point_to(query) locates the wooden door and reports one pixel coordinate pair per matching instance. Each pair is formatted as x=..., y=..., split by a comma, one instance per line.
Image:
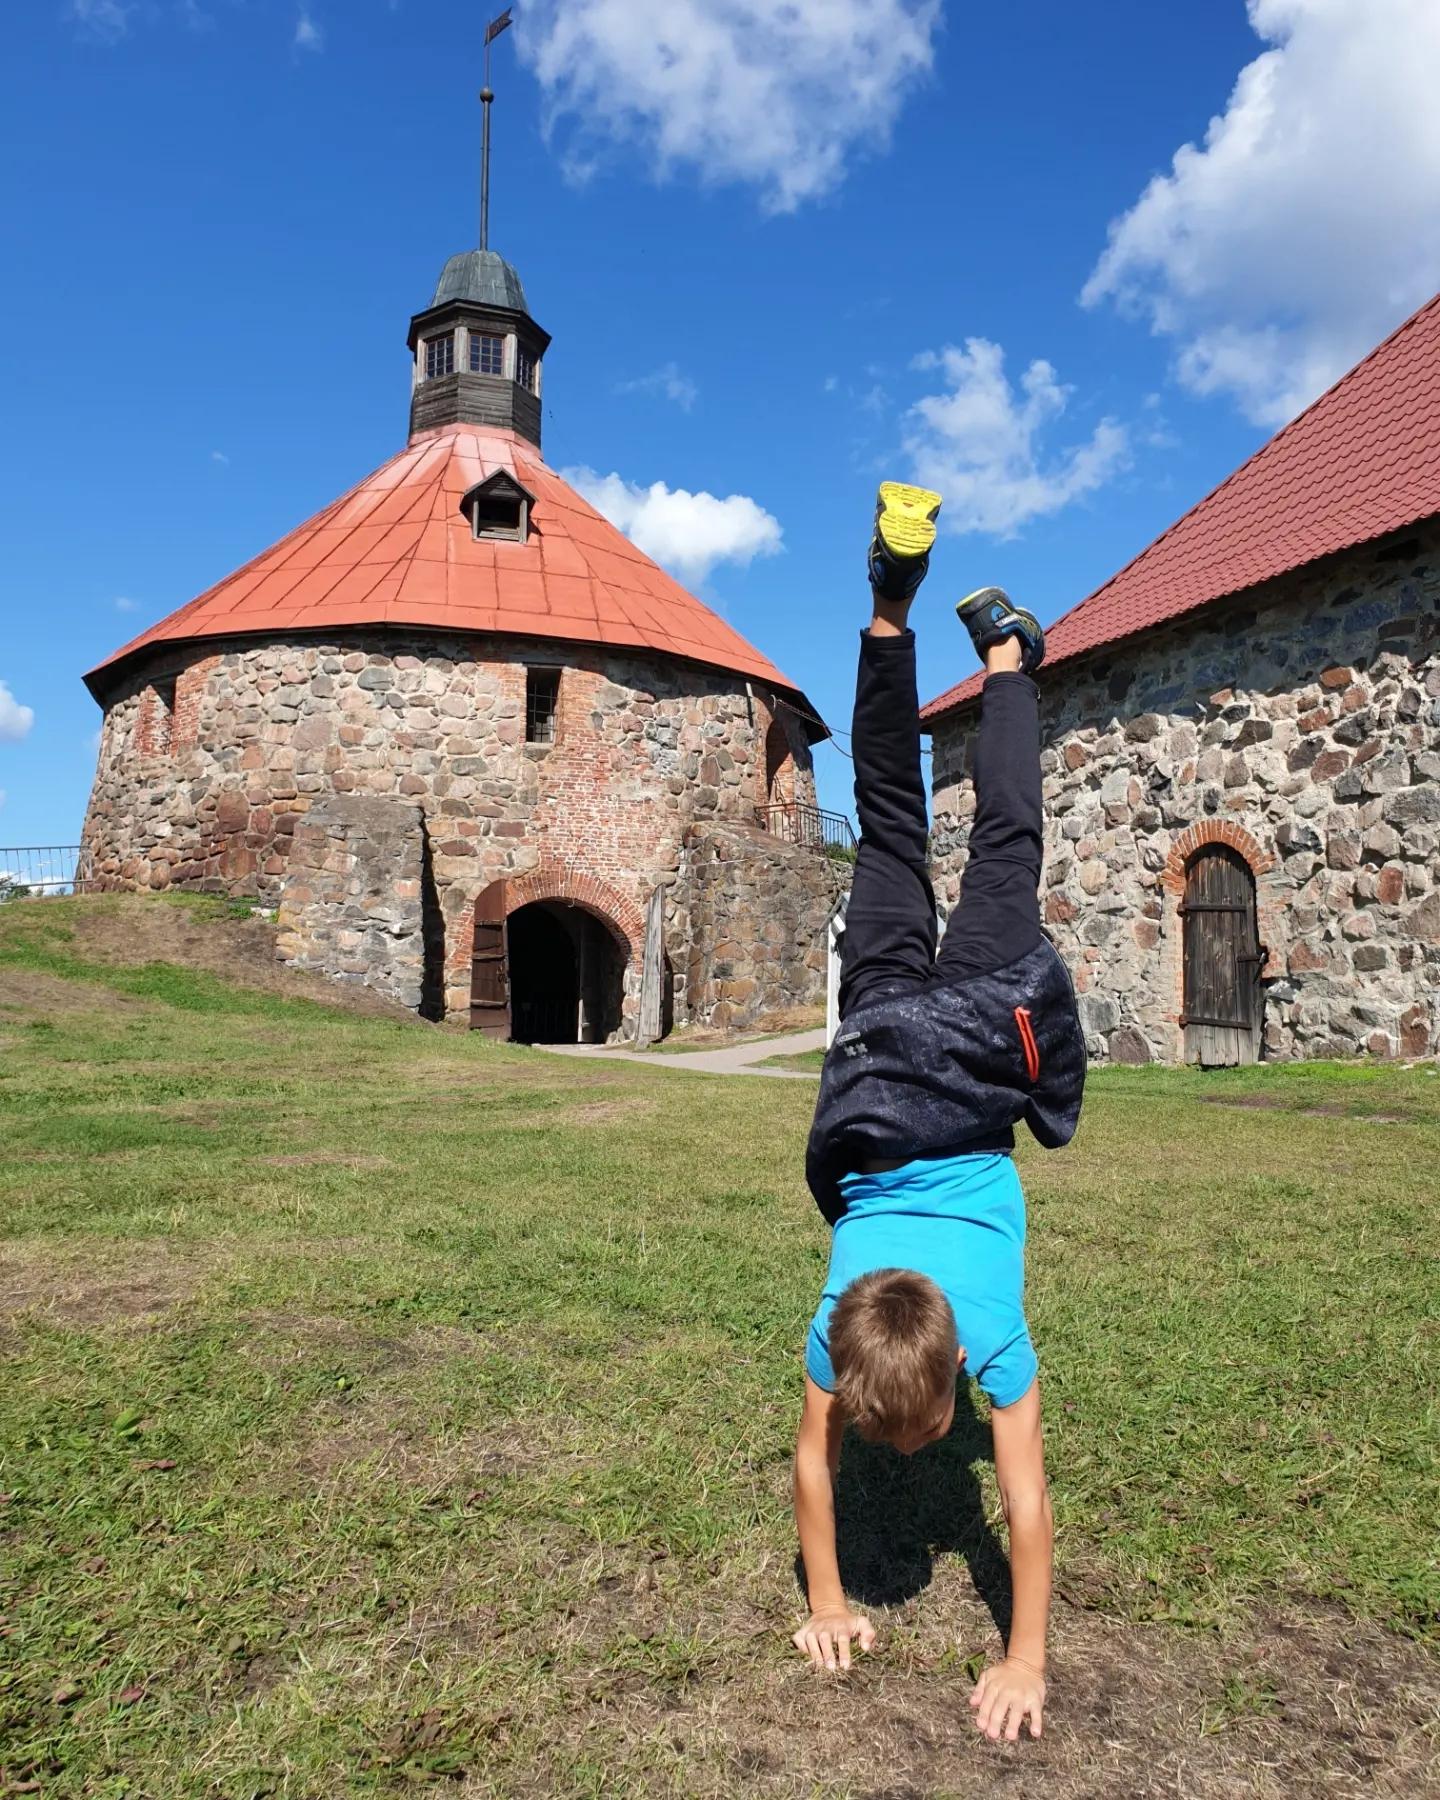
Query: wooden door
x=1224, y=1003
x=490, y=966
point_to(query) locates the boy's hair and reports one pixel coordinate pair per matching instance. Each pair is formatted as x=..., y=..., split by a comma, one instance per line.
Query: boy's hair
x=893, y=1347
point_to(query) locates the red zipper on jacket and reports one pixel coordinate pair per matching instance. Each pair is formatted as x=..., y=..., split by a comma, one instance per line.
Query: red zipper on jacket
x=1027, y=1042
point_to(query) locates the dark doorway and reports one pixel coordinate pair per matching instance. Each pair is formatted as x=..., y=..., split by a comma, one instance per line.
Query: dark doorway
x=566, y=975
x=1224, y=1002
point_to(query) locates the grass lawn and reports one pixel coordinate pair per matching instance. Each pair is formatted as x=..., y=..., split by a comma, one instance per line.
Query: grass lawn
x=384, y=1407
x=809, y=1061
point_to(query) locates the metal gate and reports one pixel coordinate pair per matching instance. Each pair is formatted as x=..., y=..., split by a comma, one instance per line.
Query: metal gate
x=1224, y=1002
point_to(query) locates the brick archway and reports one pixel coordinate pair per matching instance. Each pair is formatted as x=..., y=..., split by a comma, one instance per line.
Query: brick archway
x=548, y=882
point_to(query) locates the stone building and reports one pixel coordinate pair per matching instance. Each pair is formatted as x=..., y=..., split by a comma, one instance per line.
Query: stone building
x=1242, y=750
x=460, y=732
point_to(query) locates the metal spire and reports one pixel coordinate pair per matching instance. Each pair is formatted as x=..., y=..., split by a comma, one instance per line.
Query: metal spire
x=492, y=31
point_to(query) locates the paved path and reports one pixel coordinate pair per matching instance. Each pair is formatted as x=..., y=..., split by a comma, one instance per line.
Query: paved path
x=735, y=1059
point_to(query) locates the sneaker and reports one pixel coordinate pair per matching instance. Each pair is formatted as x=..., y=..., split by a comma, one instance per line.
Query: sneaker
x=904, y=532
x=990, y=618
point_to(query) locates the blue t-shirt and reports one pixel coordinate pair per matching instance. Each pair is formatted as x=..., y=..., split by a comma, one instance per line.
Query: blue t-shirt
x=961, y=1221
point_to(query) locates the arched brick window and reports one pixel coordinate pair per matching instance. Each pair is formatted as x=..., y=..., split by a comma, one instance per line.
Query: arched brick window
x=779, y=766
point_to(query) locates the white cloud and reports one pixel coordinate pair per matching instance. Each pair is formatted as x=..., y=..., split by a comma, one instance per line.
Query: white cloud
x=15, y=719
x=123, y=603
x=1306, y=227
x=106, y=20
x=219, y=456
x=668, y=380
x=688, y=533
x=776, y=94
x=979, y=442
x=308, y=36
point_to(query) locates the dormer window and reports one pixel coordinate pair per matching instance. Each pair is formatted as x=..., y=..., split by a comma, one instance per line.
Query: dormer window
x=499, y=508
x=525, y=370
x=440, y=356
x=487, y=353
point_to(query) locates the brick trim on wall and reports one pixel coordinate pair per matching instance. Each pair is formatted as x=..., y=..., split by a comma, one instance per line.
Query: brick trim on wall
x=550, y=881
x=622, y=916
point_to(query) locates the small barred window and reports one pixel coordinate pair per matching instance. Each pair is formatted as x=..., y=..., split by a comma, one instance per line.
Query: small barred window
x=542, y=703
x=525, y=370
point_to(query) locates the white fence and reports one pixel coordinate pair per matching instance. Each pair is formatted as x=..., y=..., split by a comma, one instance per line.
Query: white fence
x=39, y=869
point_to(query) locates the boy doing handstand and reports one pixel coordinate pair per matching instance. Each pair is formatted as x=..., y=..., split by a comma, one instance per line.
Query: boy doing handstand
x=936, y=1059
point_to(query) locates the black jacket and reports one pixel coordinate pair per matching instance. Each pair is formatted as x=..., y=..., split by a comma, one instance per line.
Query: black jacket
x=940, y=1070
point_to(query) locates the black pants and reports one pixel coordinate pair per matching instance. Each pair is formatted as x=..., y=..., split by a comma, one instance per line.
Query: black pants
x=890, y=930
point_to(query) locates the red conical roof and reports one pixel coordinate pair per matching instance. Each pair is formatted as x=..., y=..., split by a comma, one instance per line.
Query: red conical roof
x=397, y=550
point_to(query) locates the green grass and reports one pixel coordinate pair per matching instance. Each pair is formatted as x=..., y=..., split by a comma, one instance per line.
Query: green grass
x=382, y=1404
x=809, y=1061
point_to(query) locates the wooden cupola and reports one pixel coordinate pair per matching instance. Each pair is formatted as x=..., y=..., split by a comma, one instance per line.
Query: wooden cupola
x=477, y=352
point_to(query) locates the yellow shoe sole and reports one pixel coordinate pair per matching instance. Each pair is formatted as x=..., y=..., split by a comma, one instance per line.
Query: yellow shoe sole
x=905, y=518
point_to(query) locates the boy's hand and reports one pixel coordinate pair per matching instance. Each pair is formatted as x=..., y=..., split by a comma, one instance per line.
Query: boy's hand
x=1004, y=1695
x=825, y=1637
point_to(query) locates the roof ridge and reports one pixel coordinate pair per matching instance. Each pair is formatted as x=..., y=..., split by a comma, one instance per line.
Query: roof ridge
x=1360, y=461
x=1260, y=450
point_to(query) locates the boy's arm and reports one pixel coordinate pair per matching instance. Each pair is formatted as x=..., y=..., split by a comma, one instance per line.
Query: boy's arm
x=1009, y=1691
x=825, y=1637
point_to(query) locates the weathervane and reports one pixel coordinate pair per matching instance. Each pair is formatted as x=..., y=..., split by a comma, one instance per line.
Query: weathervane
x=492, y=31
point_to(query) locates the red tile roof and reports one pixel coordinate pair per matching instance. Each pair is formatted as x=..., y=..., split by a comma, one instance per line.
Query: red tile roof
x=1362, y=461
x=396, y=550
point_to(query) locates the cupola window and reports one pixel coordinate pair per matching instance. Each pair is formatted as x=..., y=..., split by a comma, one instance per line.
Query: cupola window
x=525, y=370
x=440, y=356
x=499, y=508
x=542, y=705
x=487, y=353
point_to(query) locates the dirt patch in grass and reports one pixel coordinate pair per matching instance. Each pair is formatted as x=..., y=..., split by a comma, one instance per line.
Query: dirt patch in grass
x=705, y=1037
x=606, y=1112
x=45, y=997
x=124, y=1282
x=306, y=1158
x=1325, y=1109
x=1307, y=1703
x=461, y=1465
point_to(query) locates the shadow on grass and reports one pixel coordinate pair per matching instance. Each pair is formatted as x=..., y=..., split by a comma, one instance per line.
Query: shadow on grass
x=894, y=1514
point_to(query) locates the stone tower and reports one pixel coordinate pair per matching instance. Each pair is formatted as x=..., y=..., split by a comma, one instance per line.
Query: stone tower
x=465, y=737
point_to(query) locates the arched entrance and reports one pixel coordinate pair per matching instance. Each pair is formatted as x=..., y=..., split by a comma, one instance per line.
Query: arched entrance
x=1223, y=999
x=545, y=971
x=566, y=975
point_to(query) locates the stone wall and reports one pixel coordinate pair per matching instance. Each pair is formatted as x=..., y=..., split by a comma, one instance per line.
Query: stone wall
x=1300, y=725
x=746, y=925
x=352, y=896
x=260, y=732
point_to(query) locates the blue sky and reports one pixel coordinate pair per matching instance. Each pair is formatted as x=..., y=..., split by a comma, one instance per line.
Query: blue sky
x=783, y=250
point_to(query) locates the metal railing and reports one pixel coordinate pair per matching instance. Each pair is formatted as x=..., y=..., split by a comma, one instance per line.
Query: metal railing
x=39, y=869
x=809, y=826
